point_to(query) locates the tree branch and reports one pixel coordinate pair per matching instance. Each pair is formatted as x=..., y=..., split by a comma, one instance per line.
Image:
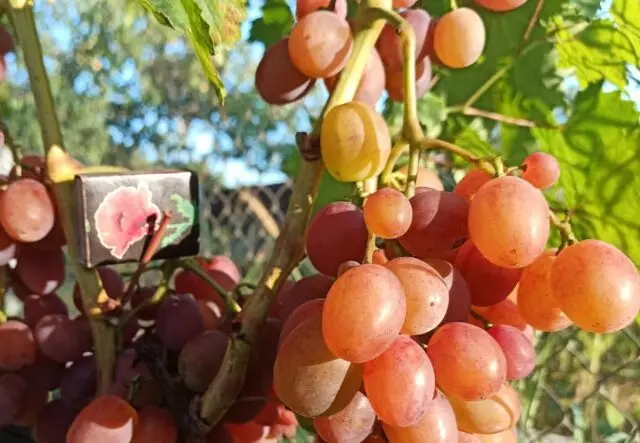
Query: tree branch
x=88, y=280
x=475, y=112
x=532, y=24
x=289, y=248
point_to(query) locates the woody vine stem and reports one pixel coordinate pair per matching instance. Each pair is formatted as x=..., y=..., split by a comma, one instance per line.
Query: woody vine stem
x=289, y=248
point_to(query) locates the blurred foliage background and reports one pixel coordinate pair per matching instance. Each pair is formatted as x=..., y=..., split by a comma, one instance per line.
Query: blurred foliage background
x=131, y=92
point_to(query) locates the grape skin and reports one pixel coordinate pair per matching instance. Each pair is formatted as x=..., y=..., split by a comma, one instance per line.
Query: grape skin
x=495, y=414
x=305, y=7
x=425, y=292
x=536, y=303
x=438, y=425
x=278, y=81
x=354, y=142
x=508, y=436
x=336, y=234
x=12, y=391
x=387, y=213
x=390, y=47
x=308, y=378
x=459, y=299
x=201, y=358
x=303, y=312
x=489, y=284
x=439, y=223
x=78, y=383
x=304, y=290
x=61, y=339
x=26, y=211
x=541, y=170
x=320, y=44
x=371, y=84
x=178, y=321
x=18, y=347
x=395, y=81
x=155, y=425
x=41, y=273
x=363, y=313
x=351, y=425
x=468, y=362
x=517, y=349
x=107, y=419
x=470, y=183
x=53, y=422
x=399, y=383
x=459, y=38
x=509, y=222
x=596, y=286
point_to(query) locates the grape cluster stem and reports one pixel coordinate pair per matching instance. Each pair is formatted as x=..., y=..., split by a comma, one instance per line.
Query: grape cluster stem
x=104, y=334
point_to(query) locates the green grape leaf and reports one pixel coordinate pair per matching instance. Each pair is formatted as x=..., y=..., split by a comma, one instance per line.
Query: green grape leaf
x=432, y=113
x=207, y=24
x=274, y=24
x=600, y=182
x=332, y=190
x=601, y=51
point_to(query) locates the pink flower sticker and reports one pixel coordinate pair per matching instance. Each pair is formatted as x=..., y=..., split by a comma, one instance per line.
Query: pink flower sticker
x=123, y=218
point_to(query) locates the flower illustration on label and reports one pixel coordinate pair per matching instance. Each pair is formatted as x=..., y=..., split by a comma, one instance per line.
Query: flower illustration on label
x=124, y=217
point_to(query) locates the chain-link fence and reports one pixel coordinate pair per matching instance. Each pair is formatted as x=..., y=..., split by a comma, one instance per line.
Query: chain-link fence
x=586, y=387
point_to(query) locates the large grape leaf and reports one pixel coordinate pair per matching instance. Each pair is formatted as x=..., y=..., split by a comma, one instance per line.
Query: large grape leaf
x=599, y=153
x=207, y=24
x=275, y=23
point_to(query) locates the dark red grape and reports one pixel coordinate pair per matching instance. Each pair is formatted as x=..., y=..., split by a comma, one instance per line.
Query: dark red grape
x=178, y=321
x=17, y=346
x=37, y=306
x=41, y=272
x=61, y=339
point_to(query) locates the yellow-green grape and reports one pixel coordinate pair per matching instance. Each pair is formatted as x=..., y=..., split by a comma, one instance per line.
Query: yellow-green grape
x=355, y=142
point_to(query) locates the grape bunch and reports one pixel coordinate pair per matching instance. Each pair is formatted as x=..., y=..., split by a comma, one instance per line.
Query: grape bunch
x=6, y=46
x=321, y=42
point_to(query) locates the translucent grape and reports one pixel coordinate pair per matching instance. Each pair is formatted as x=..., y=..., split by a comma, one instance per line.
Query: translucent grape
x=541, y=170
x=26, y=210
x=463, y=437
x=53, y=422
x=12, y=391
x=426, y=178
x=459, y=299
x=379, y=257
x=509, y=222
x=61, y=339
x=439, y=223
x=107, y=419
x=155, y=425
x=489, y=284
x=387, y=213
x=320, y=44
x=201, y=358
x=18, y=347
x=459, y=38
x=489, y=416
x=468, y=362
x=470, y=183
x=400, y=382
x=517, y=349
x=351, y=425
x=278, y=81
x=395, y=81
x=363, y=313
x=305, y=311
x=438, y=425
x=371, y=84
x=354, y=142
x=308, y=378
x=501, y=5
x=390, y=47
x=536, y=303
x=336, y=234
x=178, y=321
x=596, y=286
x=426, y=294
x=41, y=273
x=304, y=290
x=305, y=7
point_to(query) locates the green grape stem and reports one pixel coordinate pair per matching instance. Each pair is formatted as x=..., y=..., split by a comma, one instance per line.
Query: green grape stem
x=104, y=334
x=289, y=247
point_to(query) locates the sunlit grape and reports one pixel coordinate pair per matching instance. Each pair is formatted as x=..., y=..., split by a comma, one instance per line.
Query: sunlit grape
x=351, y=425
x=468, y=362
x=371, y=84
x=305, y=7
x=495, y=414
x=517, y=349
x=363, y=313
x=509, y=222
x=395, y=81
x=459, y=38
x=387, y=213
x=501, y=5
x=389, y=44
x=107, y=419
x=470, y=183
x=596, y=286
x=26, y=210
x=541, y=170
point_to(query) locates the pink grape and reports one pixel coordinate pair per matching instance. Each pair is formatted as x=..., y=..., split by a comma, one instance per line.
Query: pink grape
x=363, y=313
x=399, y=383
x=306, y=289
x=305, y=7
x=387, y=213
x=495, y=414
x=596, y=286
x=468, y=362
x=470, y=183
x=541, y=170
x=517, y=349
x=26, y=210
x=351, y=425
x=426, y=294
x=390, y=47
x=459, y=299
x=536, y=302
x=302, y=313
